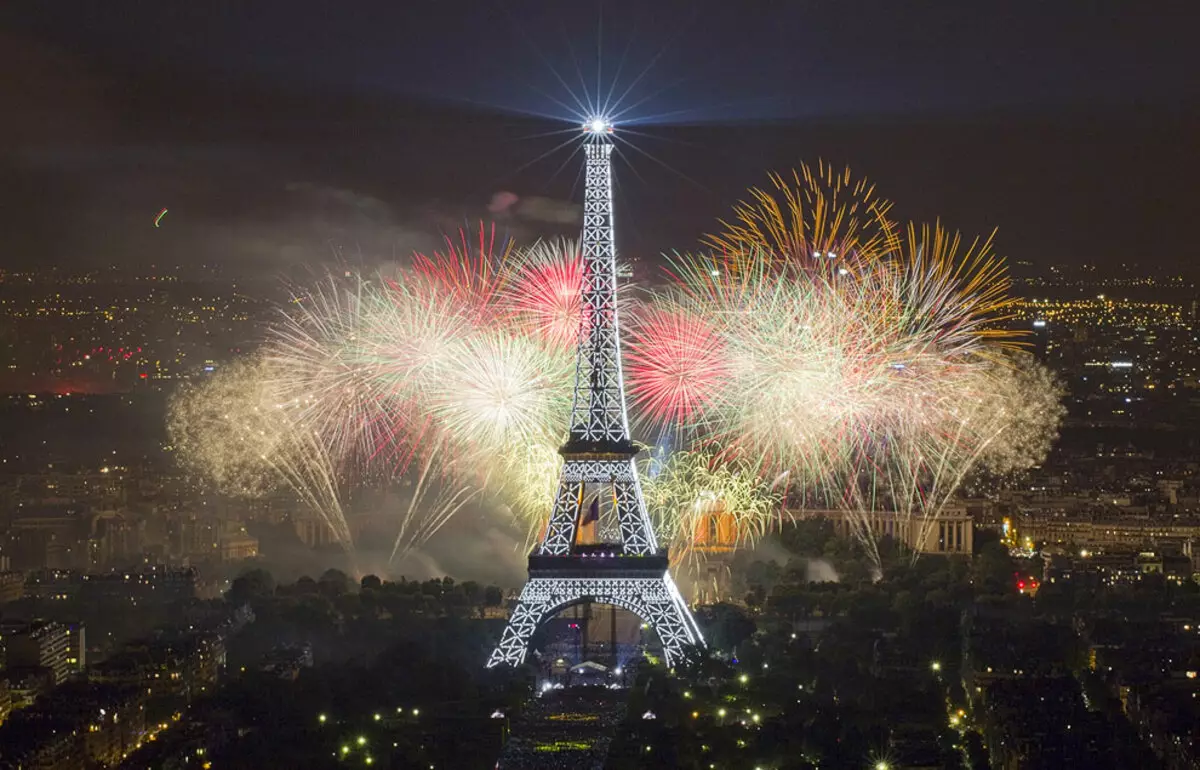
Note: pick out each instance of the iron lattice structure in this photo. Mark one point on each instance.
(599, 466)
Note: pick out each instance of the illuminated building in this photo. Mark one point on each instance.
(183, 666)
(12, 586)
(313, 531)
(27, 683)
(5, 701)
(77, 647)
(237, 544)
(148, 584)
(950, 531)
(105, 723)
(48, 536)
(41, 643)
(716, 531)
(714, 540)
(114, 539)
(1105, 529)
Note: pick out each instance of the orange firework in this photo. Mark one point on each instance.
(818, 218)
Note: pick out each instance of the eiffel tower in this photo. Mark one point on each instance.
(599, 468)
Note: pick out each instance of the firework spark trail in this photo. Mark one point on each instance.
(867, 366)
(692, 492)
(1009, 429)
(452, 372)
(822, 214)
(856, 364)
(422, 518)
(469, 275)
(506, 393)
(679, 361)
(543, 295)
(235, 431)
(311, 357)
(527, 482)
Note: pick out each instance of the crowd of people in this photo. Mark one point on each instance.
(570, 727)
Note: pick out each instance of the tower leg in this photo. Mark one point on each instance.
(612, 638)
(655, 600)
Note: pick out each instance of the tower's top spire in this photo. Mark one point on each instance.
(598, 129)
(599, 424)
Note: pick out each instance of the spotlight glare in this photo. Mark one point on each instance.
(598, 126)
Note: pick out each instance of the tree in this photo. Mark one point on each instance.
(370, 582)
(807, 537)
(791, 600)
(697, 663)
(473, 593)
(725, 625)
(763, 574)
(255, 584)
(993, 569)
(334, 582)
(1057, 598)
(493, 596)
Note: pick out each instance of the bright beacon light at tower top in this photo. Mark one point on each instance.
(598, 126)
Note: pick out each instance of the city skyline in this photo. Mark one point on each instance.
(322, 446)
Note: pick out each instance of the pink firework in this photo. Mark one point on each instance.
(470, 274)
(676, 365)
(544, 294)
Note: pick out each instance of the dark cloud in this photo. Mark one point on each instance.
(50, 95)
(278, 134)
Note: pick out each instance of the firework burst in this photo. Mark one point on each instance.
(871, 369)
(822, 217)
(507, 392)
(543, 295)
(470, 273)
(452, 374)
(820, 344)
(678, 361)
(235, 430)
(702, 505)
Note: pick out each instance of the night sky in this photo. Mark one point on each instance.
(282, 135)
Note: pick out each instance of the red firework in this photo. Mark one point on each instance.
(676, 365)
(471, 274)
(545, 294)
